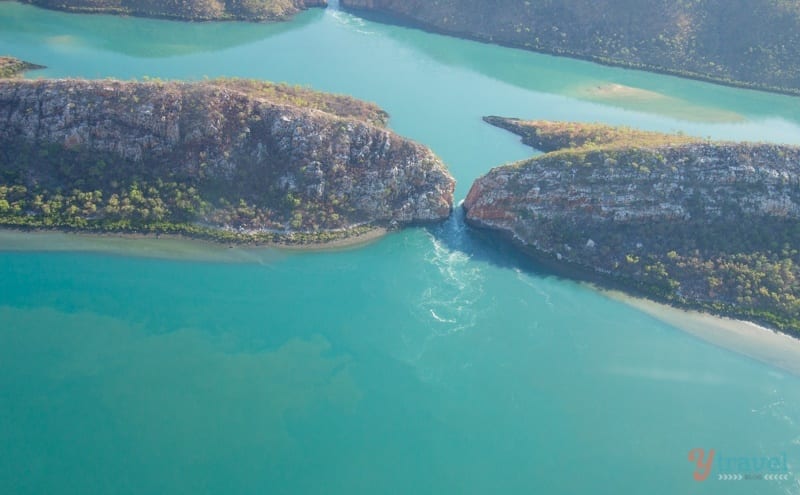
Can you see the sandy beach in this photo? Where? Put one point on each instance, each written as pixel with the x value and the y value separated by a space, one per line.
pixel 351 242
pixel 167 246
pixel 639 99
pixel 746 338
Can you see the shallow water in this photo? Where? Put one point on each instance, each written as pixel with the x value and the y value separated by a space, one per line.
pixel 430 361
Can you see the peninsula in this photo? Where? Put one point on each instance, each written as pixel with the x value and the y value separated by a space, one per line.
pixel 706 225
pixel 747 43
pixel 12 67
pixel 189 10
pixel 227 160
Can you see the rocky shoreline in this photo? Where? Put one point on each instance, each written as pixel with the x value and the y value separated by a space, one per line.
pixel 192 10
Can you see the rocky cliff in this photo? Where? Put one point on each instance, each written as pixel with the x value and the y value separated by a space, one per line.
pixel 191 10
pixel 696 223
pixel 234 159
pixel 754 43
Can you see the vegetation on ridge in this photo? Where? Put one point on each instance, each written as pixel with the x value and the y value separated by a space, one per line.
pixel 303 97
pixel 551 136
pixel 12 67
pixel 711 226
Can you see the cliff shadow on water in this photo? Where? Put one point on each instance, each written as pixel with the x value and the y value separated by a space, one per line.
pixel 620 87
pixel 483 246
pixel 143 37
pixel 696 224
pixel 502 251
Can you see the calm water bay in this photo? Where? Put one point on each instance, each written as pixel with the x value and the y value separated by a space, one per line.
pixel 431 361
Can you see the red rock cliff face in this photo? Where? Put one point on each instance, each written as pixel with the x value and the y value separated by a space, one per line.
pixel 701 224
pixel 237 143
pixel 646 179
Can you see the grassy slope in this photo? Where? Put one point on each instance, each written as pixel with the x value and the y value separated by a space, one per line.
pixel 301 97
pixel 551 136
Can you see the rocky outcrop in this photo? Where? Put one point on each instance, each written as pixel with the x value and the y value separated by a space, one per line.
pixel 753 43
pixel 12 67
pixel 191 10
pixel 697 223
pixel 247 157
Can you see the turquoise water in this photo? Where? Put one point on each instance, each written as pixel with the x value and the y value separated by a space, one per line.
pixel 430 361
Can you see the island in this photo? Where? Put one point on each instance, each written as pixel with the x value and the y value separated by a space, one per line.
pixel 12 67
pixel 189 10
pixel 707 225
pixel 746 43
pixel 227 160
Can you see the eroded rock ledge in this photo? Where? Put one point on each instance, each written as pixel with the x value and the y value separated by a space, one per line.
pixel 702 224
pixel 189 10
pixel 231 160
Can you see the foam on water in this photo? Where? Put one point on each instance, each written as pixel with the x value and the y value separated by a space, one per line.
pixel 357 24
pixel 452 300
